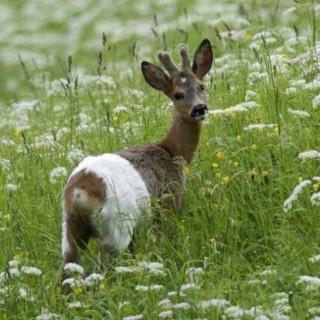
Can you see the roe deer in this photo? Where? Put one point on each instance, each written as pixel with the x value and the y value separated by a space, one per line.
pixel 106 195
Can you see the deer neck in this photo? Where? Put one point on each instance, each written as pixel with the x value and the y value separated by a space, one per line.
pixel 182 138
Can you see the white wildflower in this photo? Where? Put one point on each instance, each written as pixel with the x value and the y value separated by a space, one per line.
pixel 205 304
pixel 261 317
pixel 154 287
pixel 315 258
pixel 23 293
pixel 288 12
pixel 94 277
pixel 61 133
pixel 46 140
pixel 76 304
pixel 134 92
pixel 311 154
pixel 14 263
pixel 194 271
pixel 165 303
pixel 14 272
pixel 46 315
pixel 127 269
pixel 317 10
pixel 25 105
pixel 31 270
pixel 73 267
pixel 258 282
pixel 181 306
pixel 120 108
pixel 152 267
pixel 123 304
pixel 7 142
pixel 297 83
pixel 72 282
pixel 250 94
pixel 254 311
pixel 166 314
pixel 189 286
pixel 294 196
pixel 5 163
pixel 259 126
pixel 316 102
pixel 300 113
pixel 234 312
pixel 315 199
pixel 313 85
pixel 56 173
pixel 12 187
pixel 268 272
pixel 59 107
pixel 135 317
pixel 312 282
pixel 241 107
pixel 75 156
pixel 291 90
pixel 314 310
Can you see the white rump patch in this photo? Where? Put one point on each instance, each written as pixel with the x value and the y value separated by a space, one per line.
pixel 65 246
pixel 127 197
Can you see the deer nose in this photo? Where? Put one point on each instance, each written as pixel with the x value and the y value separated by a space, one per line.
pixel 199 111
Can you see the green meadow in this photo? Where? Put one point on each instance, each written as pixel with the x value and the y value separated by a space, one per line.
pixel 246 244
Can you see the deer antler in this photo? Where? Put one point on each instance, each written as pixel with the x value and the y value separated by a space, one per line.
pixel 186 64
pixel 166 60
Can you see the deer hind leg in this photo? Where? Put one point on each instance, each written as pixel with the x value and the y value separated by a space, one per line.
pixel 75 237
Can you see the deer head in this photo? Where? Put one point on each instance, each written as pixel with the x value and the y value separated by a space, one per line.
pixel 184 87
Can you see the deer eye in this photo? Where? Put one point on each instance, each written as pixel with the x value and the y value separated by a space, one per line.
pixel 179 96
pixel 202 87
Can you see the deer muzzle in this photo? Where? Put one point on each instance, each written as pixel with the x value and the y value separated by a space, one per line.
pixel 199 112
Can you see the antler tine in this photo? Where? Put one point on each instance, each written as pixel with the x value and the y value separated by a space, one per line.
pixel 166 60
pixel 186 64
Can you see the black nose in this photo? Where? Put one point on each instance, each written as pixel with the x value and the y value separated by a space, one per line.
pixel 199 110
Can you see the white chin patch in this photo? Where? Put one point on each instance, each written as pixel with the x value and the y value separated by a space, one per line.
pixel 202 117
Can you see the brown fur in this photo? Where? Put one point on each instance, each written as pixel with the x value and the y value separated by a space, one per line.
pixel 160 164
pixel 78 218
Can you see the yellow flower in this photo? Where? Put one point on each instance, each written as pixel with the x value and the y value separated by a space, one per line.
pixel 17 256
pixel 101 286
pixel 78 291
pixel 254 147
pixel 7 217
pixel 17 132
pixel 247 37
pixel 300 179
pixel 265 173
pixel 209 191
pixel 220 155
pixel 238 137
pixel 115 119
pixel 235 164
pixel 225 179
pixel 315 186
pixel 215 165
pixel 186 170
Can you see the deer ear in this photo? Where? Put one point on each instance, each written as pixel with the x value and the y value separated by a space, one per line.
pixel 155 76
pixel 203 58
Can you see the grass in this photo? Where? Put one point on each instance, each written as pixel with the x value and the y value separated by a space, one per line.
pixel 77 90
